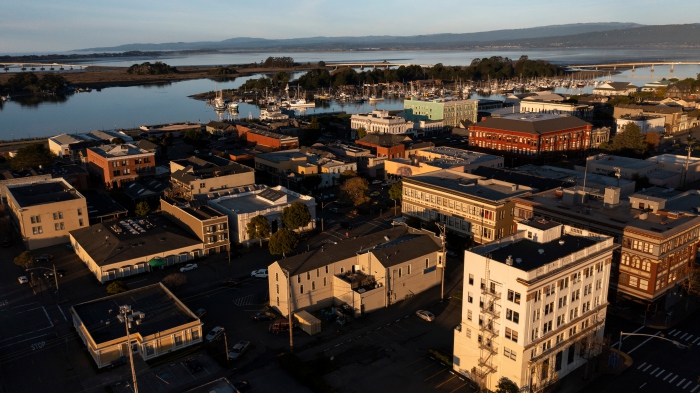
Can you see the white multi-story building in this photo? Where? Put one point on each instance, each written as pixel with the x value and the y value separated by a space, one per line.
pixel 534 305
pixel 646 123
pixel 380 122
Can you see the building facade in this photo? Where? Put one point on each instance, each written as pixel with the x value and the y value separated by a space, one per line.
pixel 193 176
pixel 200 220
pixel 44 212
pixel 581 111
pixel 535 305
pixel 117 165
pixel 676 120
pixel 451 112
pixel 615 89
pixel 645 123
pixel 380 122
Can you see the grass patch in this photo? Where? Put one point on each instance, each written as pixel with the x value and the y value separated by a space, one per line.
pixel 309 374
pixel 444 358
pixel 458 295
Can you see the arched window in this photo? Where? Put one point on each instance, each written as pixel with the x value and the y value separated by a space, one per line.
pixel 646 265
pixel 635 262
pixel 625 259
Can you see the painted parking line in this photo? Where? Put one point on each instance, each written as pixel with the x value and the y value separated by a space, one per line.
pixel 681 382
pixel 683 336
pixel 676 333
pixel 643 385
pixel 695 388
pixel 645 370
pixel 459 387
pixel 672 379
pixel 64 315
pixel 436 374
pixel 696 339
pixel 652 373
pixel 660 372
pixel 642 365
pixel 686 385
pixel 688 338
pixel 430 365
pixel 666 377
pixel 188 370
pixel 446 381
pixel 672 331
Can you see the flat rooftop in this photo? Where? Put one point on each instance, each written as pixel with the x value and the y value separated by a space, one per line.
pixel 572 175
pixel 466 156
pixel 282 156
pixel 673 159
pixel 196 208
pixel 43 192
pixel 113 151
pixel 271 134
pixel 530 256
pixel 450 181
pixel 102 205
pixel 622 162
pixel 258 200
pixel 161 311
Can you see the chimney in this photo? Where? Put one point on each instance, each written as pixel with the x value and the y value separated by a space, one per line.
pixel 509 260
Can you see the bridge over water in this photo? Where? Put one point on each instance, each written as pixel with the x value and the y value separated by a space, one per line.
pixel 42 66
pixel 373 65
pixel 632 65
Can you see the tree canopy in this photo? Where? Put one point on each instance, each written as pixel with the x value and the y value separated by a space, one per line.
pixel 296 215
pixel 117 141
pixel 396 191
pixel 283 242
pixel 361 132
pixel 142 208
pixel 258 228
pixel 505 385
pixel 24 259
pixel 116 287
pixel 355 190
pixel 29 82
pixel 32 156
pixel 628 142
pixel 193 137
pixel 147 68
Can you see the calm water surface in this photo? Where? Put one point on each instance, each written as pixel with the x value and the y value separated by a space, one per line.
pixel 128 107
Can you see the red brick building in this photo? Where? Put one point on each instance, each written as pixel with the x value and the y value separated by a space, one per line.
pixel 531 134
pixel 385 145
pixel 272 139
pixel 117 165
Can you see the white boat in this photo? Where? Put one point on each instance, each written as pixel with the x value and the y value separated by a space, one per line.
pixel 272 113
pixel 218 102
pixel 300 103
pixel 375 98
pixel 233 105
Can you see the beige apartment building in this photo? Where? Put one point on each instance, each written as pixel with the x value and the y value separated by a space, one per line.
pixel 159 324
pixel 44 212
pixel 431 159
pixel 194 175
pixel 467 204
pixel 367 272
pixel 199 219
pixel 534 305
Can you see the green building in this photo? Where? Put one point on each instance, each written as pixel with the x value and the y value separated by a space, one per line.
pixel 451 112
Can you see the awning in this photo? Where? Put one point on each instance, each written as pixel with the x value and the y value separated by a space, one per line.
pixel 156 262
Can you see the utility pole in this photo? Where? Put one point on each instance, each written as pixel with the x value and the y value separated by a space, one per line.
pixel 124 310
pixel 444 260
pixel 289 309
pixel 55 276
pixel 687 161
pixel 226 347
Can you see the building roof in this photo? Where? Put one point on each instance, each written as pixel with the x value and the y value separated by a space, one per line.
pixel 113 242
pixel 572 176
pixel 622 162
pixel 532 123
pixel 402 246
pixel 616 86
pixel 8 174
pixel 259 199
pixel 530 256
pixel 282 156
pixel 271 134
pixel 102 205
pixel 116 151
pixel 161 311
pixel 198 168
pixel 459 156
pixel 472 185
pixel 540 183
pixel 43 192
pixel 385 140
pixel 67 139
pixel 145 189
pixel 221 385
pixel 654 108
pixel 674 159
pixel 145 144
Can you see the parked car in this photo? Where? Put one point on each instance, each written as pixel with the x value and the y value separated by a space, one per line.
pixel 398 221
pixel 374 193
pixel 425 315
pixel 264 316
pixel 260 273
pixel 201 313
pixel 188 267
pixel 43 258
pixel 215 333
pixel 231 282
pixel 194 365
pixel 279 326
pixel 334 210
pixel 23 279
pixel 238 350
pixel 346 225
pixel 376 182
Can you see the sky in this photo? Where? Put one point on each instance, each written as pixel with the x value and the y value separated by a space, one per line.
pixel 43 26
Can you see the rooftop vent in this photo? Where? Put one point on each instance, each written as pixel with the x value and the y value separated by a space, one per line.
pixel 509 260
pixel 518 260
pixel 561 242
pixel 541 251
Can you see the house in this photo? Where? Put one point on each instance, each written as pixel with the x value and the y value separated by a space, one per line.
pixel 220 128
pixel 367 273
pixel 193 176
pixel 116 165
pixel 243 204
pixel 44 212
pixel 118 249
pixel 676 120
pixel 615 89
pixel 535 305
pixel 678 91
pixel 145 144
pixel 159 323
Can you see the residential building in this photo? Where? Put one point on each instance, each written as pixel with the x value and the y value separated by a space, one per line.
pixel 72 146
pixel 367 273
pixel 385 145
pixel 615 89
pixel 532 134
pixel 242 205
pixel 534 305
pixel 44 212
pixel 631 169
pixel 467 204
pixel 380 122
pixel 676 121
pixel 116 165
pixel 657 228
pixel 176 130
pixel 678 91
pixel 119 249
pixel 431 159
pixel 330 170
pixel 159 323
pixel 193 176
pixel 451 112
pixel 646 123
pixel 653 86
pixel 535 105
pixel 220 128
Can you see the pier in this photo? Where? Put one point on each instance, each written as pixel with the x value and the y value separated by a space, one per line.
pixel 632 65
pixel 42 66
pixel 374 65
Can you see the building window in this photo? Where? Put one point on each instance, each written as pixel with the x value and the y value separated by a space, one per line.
pixel 313 285
pixel 427 263
pixel 278 288
pixel 80 212
pixel 116 173
pixel 178 340
pixel 278 301
pixel 513 297
pixel 301 288
pixel 324 281
pixel 633 281
pixel 400 272
pixel 471 279
pixel 277 276
pixel 511 334
pixel 326 269
pixel 80 222
pixel 298 278
pixel 58 226
pixel 150 350
pixel 509 354
pixel 36 219
pixel 643 284
pixel 58 216
pixel 470 297
pixel 512 315
pixel 408 269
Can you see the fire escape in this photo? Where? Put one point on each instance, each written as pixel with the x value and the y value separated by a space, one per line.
pixel 488 330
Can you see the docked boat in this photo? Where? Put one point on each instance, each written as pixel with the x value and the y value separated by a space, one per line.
pixel 376 98
pixel 300 103
pixel 218 102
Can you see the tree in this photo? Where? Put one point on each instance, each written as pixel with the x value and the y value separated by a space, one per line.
pixel 396 193
pixel 321 63
pixel 167 139
pixel 361 133
pixel 116 287
pixel 283 242
pixel 142 208
pixel 32 156
pixel 24 259
pixel 296 215
pixel 505 385
pixel 174 281
pixel 314 124
pixel 356 190
pixel 691 284
pixel 258 228
pixel 629 141
pixel 193 137
pixel 652 140
pixel 347 175
pixel 310 182
pixel 117 141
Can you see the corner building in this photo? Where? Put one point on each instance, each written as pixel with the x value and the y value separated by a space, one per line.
pixel 534 305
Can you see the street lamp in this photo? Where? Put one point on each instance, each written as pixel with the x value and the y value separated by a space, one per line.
pixel 676 343
pixel 323 206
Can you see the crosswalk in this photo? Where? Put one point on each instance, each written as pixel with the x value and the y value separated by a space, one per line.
pixel 668 376
pixel 244 301
pixel 679 335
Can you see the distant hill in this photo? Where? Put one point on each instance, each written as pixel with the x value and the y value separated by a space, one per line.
pixel 432 41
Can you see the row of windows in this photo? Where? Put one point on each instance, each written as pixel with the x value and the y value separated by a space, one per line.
pixel 59 226
pixel 137 161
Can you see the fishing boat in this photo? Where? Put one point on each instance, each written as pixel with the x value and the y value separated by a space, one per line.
pixel 376 98
pixel 218 102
